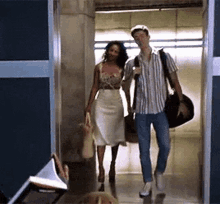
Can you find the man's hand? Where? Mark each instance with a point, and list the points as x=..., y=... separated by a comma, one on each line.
x=183, y=109
x=136, y=70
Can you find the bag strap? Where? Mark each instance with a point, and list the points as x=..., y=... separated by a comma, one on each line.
x=136, y=64
x=163, y=58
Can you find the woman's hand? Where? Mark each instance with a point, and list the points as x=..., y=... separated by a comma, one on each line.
x=88, y=109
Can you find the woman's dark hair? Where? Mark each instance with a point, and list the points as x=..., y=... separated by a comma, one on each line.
x=122, y=57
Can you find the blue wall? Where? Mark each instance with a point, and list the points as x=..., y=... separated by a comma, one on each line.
x=216, y=51
x=215, y=123
x=24, y=30
x=25, y=102
x=25, y=130
x=215, y=143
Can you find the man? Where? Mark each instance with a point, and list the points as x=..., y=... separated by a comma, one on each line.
x=150, y=103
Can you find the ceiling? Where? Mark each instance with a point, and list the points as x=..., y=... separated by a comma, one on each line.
x=115, y=5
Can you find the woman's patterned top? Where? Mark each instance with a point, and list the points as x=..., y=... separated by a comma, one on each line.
x=109, y=81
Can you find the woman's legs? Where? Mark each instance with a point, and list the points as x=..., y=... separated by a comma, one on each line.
x=112, y=166
x=101, y=152
x=114, y=153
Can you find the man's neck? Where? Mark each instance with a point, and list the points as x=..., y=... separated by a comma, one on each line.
x=146, y=53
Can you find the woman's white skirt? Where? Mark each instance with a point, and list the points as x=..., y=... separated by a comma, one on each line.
x=109, y=118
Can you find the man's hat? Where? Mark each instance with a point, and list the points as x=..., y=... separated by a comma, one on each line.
x=139, y=27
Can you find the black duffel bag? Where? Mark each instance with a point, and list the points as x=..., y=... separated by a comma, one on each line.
x=172, y=107
x=172, y=102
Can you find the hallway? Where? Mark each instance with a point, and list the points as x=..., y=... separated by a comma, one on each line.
x=183, y=184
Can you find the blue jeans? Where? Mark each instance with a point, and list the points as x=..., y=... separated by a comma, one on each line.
x=161, y=126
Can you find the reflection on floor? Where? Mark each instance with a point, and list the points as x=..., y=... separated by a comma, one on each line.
x=183, y=183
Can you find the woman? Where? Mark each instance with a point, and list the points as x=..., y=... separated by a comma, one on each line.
x=108, y=108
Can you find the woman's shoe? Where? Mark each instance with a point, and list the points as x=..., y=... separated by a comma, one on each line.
x=101, y=177
x=102, y=188
x=112, y=172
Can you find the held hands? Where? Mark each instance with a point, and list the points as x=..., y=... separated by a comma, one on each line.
x=130, y=110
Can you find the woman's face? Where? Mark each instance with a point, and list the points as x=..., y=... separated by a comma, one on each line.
x=113, y=53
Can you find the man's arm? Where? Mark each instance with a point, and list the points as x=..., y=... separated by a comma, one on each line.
x=176, y=85
x=178, y=89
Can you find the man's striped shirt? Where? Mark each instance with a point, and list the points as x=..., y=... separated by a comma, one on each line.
x=151, y=87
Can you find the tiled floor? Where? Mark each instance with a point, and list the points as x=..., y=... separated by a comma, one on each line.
x=183, y=179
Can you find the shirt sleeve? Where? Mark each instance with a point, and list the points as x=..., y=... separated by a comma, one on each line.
x=171, y=65
x=128, y=70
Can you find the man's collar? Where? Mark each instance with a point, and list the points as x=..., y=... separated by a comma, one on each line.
x=153, y=51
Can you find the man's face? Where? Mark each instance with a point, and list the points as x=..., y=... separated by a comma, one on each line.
x=141, y=39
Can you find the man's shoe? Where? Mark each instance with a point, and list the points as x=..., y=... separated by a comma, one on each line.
x=146, y=191
x=160, y=184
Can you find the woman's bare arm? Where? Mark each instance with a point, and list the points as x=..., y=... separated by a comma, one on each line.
x=94, y=89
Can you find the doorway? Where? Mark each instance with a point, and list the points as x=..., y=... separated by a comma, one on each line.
x=179, y=32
